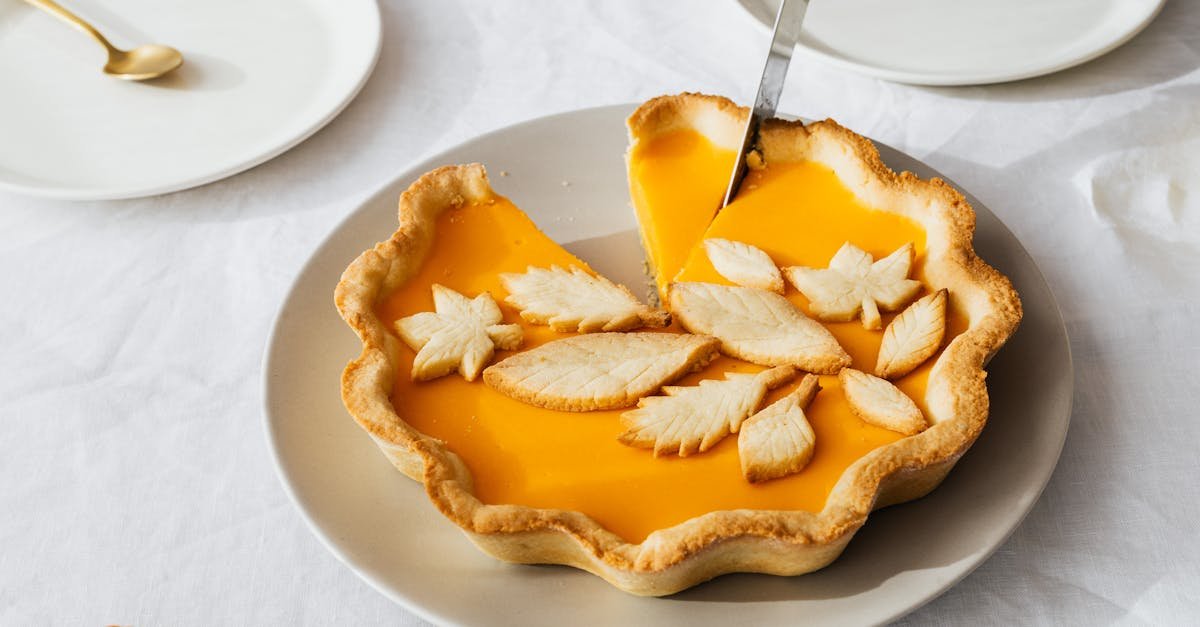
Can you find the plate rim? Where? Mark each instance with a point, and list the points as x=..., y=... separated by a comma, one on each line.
x=375, y=27
x=418, y=166
x=965, y=78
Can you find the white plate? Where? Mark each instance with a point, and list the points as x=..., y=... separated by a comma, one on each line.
x=258, y=77
x=381, y=525
x=963, y=42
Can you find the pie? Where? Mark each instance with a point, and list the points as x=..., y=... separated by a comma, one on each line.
x=745, y=422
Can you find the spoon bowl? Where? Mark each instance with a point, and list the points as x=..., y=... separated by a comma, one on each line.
x=143, y=62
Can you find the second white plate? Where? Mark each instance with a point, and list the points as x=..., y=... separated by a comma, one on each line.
x=963, y=42
x=258, y=77
x=381, y=524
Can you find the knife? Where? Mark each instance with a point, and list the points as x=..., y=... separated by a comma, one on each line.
x=783, y=40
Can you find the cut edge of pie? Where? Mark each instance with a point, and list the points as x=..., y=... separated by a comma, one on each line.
x=773, y=542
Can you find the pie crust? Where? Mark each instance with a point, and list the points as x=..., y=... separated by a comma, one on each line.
x=774, y=542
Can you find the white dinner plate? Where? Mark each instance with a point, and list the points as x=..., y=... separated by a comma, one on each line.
x=258, y=77
x=962, y=42
x=381, y=525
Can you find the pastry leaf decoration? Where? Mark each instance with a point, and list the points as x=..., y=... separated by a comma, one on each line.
x=757, y=326
x=878, y=402
x=574, y=300
x=693, y=419
x=913, y=336
x=744, y=264
x=460, y=334
x=855, y=285
x=599, y=370
x=779, y=441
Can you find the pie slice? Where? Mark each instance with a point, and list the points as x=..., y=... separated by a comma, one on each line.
x=533, y=484
x=681, y=153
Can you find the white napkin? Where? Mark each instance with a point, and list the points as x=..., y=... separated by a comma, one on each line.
x=1152, y=190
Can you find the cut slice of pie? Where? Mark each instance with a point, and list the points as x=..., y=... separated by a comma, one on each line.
x=681, y=153
x=535, y=485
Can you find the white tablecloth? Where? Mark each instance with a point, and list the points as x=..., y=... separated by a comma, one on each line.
x=135, y=483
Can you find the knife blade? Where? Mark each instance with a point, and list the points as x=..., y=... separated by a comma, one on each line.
x=788, y=22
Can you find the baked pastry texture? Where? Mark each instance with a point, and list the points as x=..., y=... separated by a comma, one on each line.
x=743, y=540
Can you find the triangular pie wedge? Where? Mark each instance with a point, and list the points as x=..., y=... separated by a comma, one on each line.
x=533, y=485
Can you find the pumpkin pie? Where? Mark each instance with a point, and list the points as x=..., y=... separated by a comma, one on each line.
x=749, y=422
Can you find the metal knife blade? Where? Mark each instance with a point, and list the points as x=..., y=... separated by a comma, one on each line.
x=783, y=40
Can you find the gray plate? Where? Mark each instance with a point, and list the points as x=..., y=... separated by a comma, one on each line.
x=381, y=525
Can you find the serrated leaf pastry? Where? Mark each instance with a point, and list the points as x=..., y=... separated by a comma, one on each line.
x=599, y=370
x=855, y=285
x=693, y=419
x=746, y=265
x=757, y=326
x=913, y=336
x=574, y=300
x=878, y=402
x=460, y=334
x=778, y=440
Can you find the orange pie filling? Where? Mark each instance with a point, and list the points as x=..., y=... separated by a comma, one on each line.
x=799, y=213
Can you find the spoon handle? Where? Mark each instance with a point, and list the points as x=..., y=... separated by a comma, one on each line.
x=53, y=8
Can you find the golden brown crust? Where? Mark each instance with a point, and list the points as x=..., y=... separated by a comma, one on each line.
x=775, y=542
x=367, y=381
x=715, y=117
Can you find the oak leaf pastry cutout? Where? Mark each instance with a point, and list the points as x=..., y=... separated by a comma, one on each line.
x=574, y=300
x=460, y=334
x=779, y=441
x=599, y=370
x=876, y=401
x=757, y=326
x=855, y=285
x=746, y=265
x=913, y=336
x=693, y=419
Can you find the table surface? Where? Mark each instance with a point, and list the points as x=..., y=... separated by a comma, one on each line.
x=137, y=486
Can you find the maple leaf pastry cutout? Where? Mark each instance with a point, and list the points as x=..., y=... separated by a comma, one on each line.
x=854, y=284
x=460, y=334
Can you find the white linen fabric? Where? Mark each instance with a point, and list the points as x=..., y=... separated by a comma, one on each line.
x=135, y=484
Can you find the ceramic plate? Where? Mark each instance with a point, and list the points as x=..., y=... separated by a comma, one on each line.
x=258, y=77
x=382, y=526
x=963, y=42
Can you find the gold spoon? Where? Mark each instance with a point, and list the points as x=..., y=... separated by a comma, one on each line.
x=139, y=64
